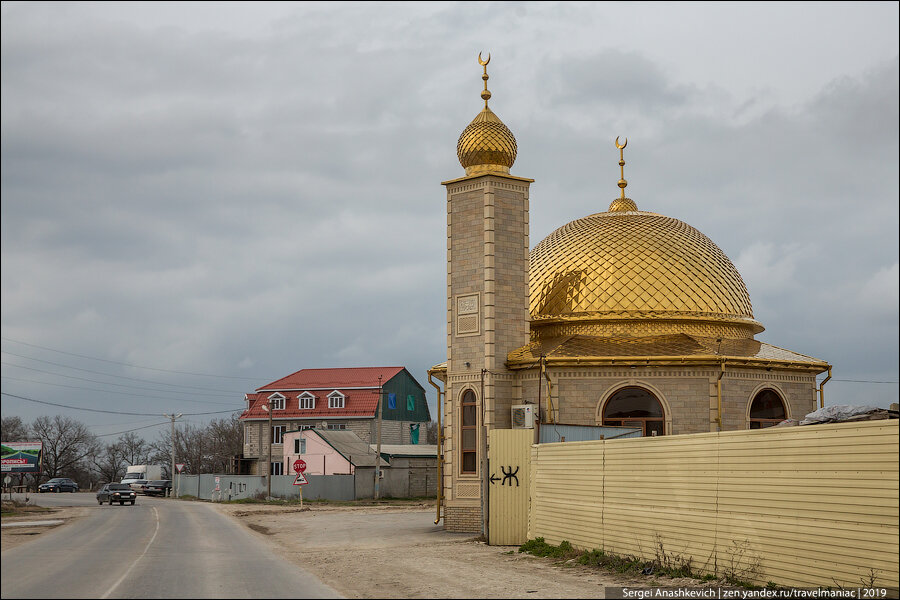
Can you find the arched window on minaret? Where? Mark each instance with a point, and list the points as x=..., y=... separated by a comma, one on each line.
x=468, y=433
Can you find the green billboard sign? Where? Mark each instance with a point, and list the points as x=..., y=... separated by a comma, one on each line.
x=22, y=457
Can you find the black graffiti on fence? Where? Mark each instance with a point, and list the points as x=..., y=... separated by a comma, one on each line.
x=509, y=476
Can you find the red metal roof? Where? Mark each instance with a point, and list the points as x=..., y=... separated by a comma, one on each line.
x=320, y=383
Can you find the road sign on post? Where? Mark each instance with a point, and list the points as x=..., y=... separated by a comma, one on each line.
x=299, y=466
x=300, y=479
x=179, y=467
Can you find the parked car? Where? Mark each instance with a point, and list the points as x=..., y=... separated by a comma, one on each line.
x=116, y=492
x=158, y=487
x=138, y=485
x=58, y=484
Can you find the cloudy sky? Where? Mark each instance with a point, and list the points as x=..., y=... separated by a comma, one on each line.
x=198, y=199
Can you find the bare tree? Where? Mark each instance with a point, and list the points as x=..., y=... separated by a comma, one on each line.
x=110, y=463
x=135, y=449
x=67, y=445
x=431, y=433
x=225, y=438
x=13, y=429
x=207, y=449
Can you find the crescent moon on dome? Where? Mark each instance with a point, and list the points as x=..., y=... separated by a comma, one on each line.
x=484, y=63
x=623, y=145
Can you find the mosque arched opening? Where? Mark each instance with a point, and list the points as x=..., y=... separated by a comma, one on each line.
x=766, y=410
x=635, y=407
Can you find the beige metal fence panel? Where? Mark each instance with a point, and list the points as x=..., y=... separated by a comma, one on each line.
x=800, y=506
x=509, y=477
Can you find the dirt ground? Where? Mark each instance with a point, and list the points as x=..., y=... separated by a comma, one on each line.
x=10, y=537
x=366, y=552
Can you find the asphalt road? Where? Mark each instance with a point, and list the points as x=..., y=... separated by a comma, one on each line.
x=159, y=548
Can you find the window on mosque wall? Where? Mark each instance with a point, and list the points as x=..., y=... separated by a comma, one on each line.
x=468, y=432
x=766, y=410
x=635, y=407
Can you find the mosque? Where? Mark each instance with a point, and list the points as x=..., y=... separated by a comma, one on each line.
x=624, y=317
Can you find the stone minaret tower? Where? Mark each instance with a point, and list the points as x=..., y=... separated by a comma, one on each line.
x=487, y=305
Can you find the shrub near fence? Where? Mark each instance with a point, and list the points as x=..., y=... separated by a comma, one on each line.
x=801, y=506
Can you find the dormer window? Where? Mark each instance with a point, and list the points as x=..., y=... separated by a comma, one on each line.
x=307, y=401
x=276, y=401
x=335, y=400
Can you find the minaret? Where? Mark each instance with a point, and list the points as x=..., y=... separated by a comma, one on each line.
x=487, y=305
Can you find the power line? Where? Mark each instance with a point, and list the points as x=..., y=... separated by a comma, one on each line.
x=47, y=362
x=863, y=381
x=77, y=387
x=129, y=364
x=129, y=430
x=115, y=412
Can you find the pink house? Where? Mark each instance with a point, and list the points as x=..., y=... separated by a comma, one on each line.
x=328, y=452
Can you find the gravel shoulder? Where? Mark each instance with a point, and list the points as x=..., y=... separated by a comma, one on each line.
x=397, y=552
x=10, y=537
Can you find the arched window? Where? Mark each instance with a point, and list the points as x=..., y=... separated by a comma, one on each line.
x=766, y=410
x=468, y=433
x=635, y=407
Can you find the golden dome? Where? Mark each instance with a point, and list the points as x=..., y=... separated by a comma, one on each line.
x=486, y=145
x=630, y=272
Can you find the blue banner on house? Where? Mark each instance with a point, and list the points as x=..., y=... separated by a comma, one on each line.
x=392, y=400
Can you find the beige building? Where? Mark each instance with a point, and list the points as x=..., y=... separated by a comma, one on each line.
x=624, y=317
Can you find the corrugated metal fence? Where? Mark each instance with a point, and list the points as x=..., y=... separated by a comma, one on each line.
x=235, y=487
x=800, y=506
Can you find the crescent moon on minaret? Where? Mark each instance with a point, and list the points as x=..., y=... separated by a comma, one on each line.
x=484, y=63
x=623, y=145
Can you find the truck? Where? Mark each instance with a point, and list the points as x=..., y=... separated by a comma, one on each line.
x=137, y=472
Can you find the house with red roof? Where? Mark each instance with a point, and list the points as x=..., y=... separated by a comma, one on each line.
x=340, y=399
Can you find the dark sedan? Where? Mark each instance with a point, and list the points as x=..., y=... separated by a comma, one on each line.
x=158, y=487
x=116, y=492
x=58, y=484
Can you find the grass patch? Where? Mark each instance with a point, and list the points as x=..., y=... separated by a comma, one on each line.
x=665, y=564
x=16, y=508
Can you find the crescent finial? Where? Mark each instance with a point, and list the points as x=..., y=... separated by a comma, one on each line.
x=623, y=145
x=484, y=63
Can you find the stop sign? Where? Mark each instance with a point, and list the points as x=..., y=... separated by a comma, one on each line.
x=299, y=465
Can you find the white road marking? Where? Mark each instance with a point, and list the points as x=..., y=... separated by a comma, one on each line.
x=122, y=578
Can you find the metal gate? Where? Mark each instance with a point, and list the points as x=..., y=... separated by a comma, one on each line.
x=509, y=465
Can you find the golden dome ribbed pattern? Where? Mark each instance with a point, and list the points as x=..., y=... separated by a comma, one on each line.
x=486, y=145
x=625, y=265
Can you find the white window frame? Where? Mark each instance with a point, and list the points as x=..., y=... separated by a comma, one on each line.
x=336, y=400
x=277, y=468
x=276, y=400
x=337, y=426
x=306, y=396
x=278, y=434
x=299, y=445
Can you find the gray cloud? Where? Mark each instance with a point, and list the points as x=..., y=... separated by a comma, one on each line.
x=259, y=195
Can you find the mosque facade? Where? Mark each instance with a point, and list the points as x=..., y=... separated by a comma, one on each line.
x=624, y=317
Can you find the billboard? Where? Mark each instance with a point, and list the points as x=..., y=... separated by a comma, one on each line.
x=22, y=457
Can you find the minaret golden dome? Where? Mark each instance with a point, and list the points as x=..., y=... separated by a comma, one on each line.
x=486, y=145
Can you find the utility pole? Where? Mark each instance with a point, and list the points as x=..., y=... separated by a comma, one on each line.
x=173, y=416
x=378, y=443
x=268, y=408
